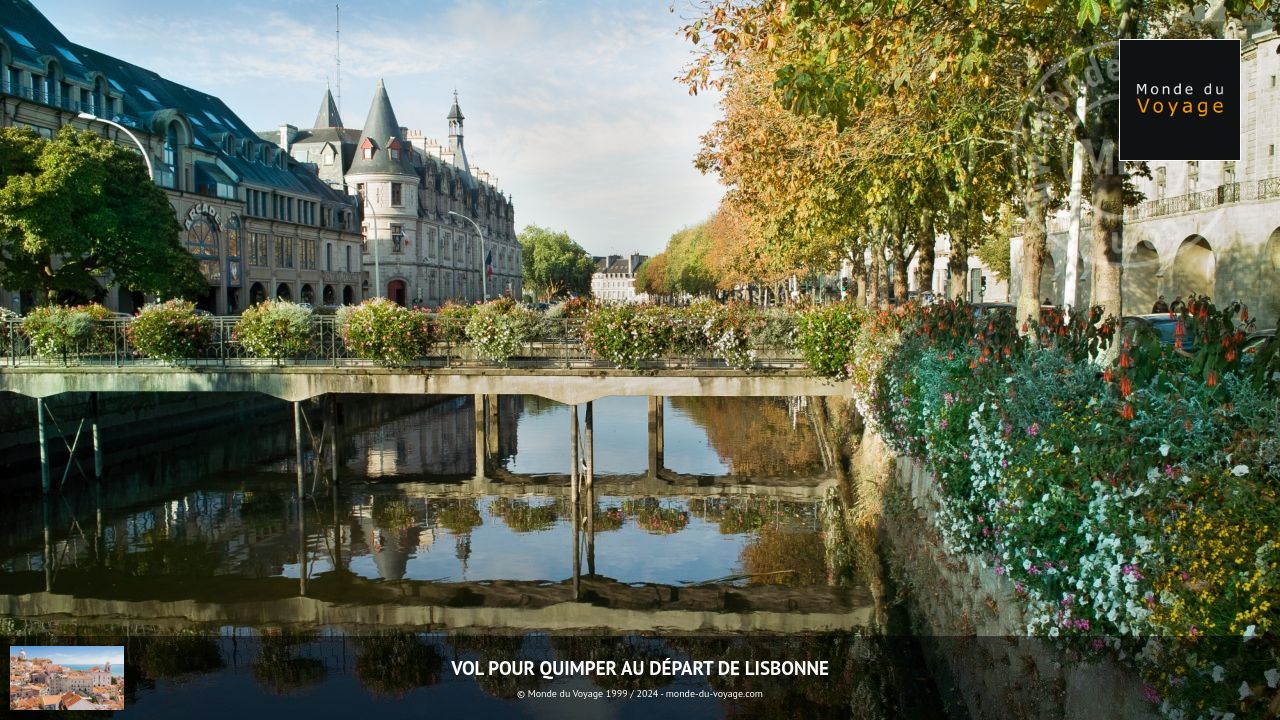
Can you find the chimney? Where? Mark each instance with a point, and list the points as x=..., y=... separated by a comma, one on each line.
x=287, y=134
x=636, y=261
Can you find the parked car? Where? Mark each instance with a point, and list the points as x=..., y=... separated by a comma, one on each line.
x=990, y=308
x=1252, y=344
x=1165, y=325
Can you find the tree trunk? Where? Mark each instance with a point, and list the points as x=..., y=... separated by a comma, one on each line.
x=901, y=277
x=958, y=264
x=924, y=269
x=1108, y=242
x=875, y=272
x=1034, y=234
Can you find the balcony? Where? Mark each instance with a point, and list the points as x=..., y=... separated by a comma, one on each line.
x=1226, y=194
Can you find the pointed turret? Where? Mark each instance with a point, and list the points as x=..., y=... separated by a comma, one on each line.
x=381, y=149
x=328, y=116
x=455, y=141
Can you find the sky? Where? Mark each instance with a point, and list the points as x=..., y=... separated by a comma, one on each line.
x=75, y=655
x=571, y=105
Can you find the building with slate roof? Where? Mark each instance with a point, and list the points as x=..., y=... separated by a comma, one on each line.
x=417, y=253
x=614, y=280
x=262, y=224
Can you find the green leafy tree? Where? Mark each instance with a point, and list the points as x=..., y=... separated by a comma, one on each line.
x=651, y=276
x=79, y=212
x=554, y=265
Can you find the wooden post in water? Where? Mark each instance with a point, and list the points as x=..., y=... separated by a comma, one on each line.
x=655, y=403
x=480, y=444
x=590, y=449
x=44, y=447
x=493, y=426
x=297, y=444
x=591, y=530
x=573, y=446
x=97, y=439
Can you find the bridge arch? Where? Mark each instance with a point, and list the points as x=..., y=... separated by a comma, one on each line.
x=1141, y=282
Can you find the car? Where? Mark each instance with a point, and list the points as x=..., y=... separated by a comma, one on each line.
x=990, y=308
x=1165, y=325
x=1254, y=342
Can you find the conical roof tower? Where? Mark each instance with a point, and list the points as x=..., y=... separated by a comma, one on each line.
x=328, y=116
x=381, y=149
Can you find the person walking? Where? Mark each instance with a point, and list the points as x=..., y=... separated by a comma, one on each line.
x=1177, y=305
x=1160, y=306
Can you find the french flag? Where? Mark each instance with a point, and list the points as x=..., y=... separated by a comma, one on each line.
x=488, y=264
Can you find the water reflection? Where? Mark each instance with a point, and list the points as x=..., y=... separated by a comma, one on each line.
x=361, y=589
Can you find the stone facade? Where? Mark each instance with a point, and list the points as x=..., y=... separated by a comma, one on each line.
x=419, y=200
x=1209, y=228
x=614, y=280
x=261, y=224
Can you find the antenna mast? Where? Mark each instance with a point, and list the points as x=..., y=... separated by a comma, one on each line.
x=337, y=50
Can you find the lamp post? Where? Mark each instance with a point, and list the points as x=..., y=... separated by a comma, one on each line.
x=484, y=269
x=146, y=158
x=377, y=266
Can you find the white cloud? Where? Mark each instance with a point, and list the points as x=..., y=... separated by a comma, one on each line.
x=572, y=106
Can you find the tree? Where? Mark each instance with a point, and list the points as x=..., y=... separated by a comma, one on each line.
x=651, y=276
x=554, y=264
x=78, y=213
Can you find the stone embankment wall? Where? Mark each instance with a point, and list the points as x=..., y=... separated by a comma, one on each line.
x=970, y=621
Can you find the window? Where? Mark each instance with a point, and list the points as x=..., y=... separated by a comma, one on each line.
x=397, y=238
x=202, y=238
x=147, y=94
x=348, y=258
x=258, y=250
x=307, y=255
x=328, y=156
x=119, y=88
x=70, y=56
x=1228, y=172
x=233, y=237
x=397, y=194
x=171, y=147
x=284, y=252
x=1160, y=182
x=328, y=257
x=22, y=39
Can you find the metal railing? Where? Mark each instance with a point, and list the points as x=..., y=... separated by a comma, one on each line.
x=556, y=344
x=1225, y=194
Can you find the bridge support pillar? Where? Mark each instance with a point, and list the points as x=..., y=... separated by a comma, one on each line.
x=297, y=444
x=655, y=437
x=97, y=438
x=590, y=448
x=573, y=446
x=491, y=429
x=479, y=401
x=44, y=446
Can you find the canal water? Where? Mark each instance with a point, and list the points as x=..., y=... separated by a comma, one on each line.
x=703, y=538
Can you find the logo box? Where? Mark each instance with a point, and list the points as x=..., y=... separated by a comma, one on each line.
x=1180, y=100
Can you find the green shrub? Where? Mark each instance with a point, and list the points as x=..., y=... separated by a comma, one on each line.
x=825, y=337
x=452, y=320
x=8, y=325
x=380, y=330
x=627, y=335
x=498, y=329
x=170, y=331
x=275, y=329
x=56, y=331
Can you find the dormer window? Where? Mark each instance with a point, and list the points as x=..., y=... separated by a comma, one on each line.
x=393, y=147
x=366, y=149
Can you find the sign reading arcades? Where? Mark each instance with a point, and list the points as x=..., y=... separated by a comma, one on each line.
x=1180, y=100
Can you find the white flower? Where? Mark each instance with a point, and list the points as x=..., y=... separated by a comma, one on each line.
x=1164, y=450
x=1250, y=633
x=1273, y=677
x=1240, y=470
x=1245, y=690
x=1219, y=673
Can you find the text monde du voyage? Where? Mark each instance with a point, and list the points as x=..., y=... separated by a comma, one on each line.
x=1179, y=99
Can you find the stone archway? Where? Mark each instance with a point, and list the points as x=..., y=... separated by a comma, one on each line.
x=1270, y=272
x=348, y=295
x=308, y=294
x=284, y=292
x=257, y=294
x=1050, y=286
x=398, y=292
x=1194, y=268
x=1141, y=282
x=330, y=297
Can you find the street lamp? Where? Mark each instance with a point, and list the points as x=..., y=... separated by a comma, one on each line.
x=377, y=266
x=484, y=269
x=146, y=158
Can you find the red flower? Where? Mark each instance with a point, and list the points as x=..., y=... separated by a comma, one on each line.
x=1126, y=386
x=1107, y=375
x=1126, y=412
x=1212, y=380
